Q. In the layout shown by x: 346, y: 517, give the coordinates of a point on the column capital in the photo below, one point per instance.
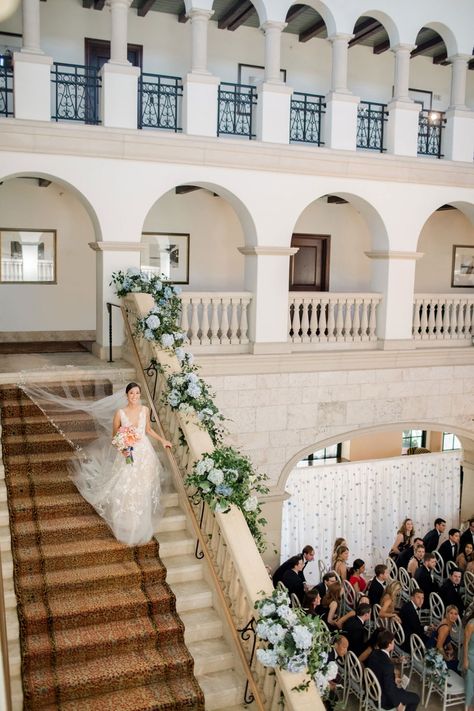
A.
x: 339, y: 36
x: 273, y: 25
x: 198, y: 13
x: 390, y: 254
x: 403, y: 47
x: 459, y: 58
x: 117, y: 246
x: 268, y: 251
x: 119, y: 3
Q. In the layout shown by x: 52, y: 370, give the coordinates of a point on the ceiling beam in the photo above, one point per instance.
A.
x: 445, y: 207
x: 366, y: 29
x: 87, y: 3
x: 336, y: 200
x: 312, y: 31
x: 144, y: 7
x: 185, y: 189
x: 471, y: 64
x: 294, y: 11
x: 99, y: 4
x: 429, y: 44
x: 236, y: 16
x: 44, y: 183
x: 182, y: 17
x: 441, y: 58
x: 382, y: 47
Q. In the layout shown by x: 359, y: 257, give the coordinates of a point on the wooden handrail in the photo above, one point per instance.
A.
x: 192, y: 517
x: 4, y: 638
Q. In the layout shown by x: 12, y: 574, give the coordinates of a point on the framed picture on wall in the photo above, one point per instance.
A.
x: 167, y: 254
x: 422, y: 97
x: 252, y: 74
x: 463, y: 266
x: 27, y: 256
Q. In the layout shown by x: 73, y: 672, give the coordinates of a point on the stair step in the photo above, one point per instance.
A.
x: 45, y: 483
x: 193, y: 595
x: 174, y: 520
x: 39, y: 424
x: 175, y: 543
x: 201, y: 624
x: 211, y: 655
x: 222, y: 690
x: 56, y: 506
x: 44, y: 443
x: 183, y: 568
x: 96, y: 388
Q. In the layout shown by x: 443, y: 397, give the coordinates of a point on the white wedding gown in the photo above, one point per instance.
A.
x: 127, y: 496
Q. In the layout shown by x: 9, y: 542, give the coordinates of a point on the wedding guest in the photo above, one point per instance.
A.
x: 466, y: 557
x: 332, y: 604
x: 292, y: 580
x: 356, y: 576
x: 431, y: 539
x: 410, y: 619
x: 403, y: 540
x: 424, y: 576
x: 307, y: 554
x: 468, y: 657
x: 338, y: 542
x: 449, y: 591
x: 382, y: 666
x: 416, y: 561
x: 342, y: 556
x: 355, y: 629
x: 377, y: 585
x: 390, y: 601
x: 328, y: 579
x: 444, y: 643
x: 467, y: 535
x: 449, y: 550
x: 405, y: 557
x: 312, y: 602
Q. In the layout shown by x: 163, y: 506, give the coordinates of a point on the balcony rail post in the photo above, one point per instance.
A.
x: 443, y: 319
x: 236, y: 104
x: 216, y: 319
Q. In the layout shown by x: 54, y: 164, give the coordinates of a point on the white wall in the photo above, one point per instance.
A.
x: 69, y: 304
x: 441, y: 231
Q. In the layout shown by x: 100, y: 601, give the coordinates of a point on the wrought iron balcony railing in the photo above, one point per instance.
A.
x: 430, y: 129
x: 305, y: 117
x: 371, y: 119
x: 76, y: 93
x: 235, y: 109
x: 6, y: 85
x: 159, y: 101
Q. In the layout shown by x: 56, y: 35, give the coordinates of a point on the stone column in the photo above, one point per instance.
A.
x: 341, y: 105
x: 402, y: 129
x: 32, y: 69
x: 458, y: 139
x: 200, y: 87
x: 111, y: 257
x: 273, y: 96
x: 119, y: 78
x: 395, y: 312
x: 266, y: 276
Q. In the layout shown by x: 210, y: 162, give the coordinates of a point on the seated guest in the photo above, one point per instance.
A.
x: 381, y: 665
x: 332, y: 608
x: 322, y: 588
x: 403, y: 540
x: 424, y: 576
x: 312, y: 602
x: 466, y: 557
x: 377, y: 584
x: 356, y: 631
x: 449, y: 591
x: 416, y: 561
x: 338, y: 542
x: 467, y: 536
x: 340, y: 565
x: 405, y: 557
x: 337, y: 653
x: 307, y: 555
x: 444, y: 643
x: 390, y: 601
x: 410, y: 619
x: 356, y: 576
x: 292, y: 580
x: 431, y: 540
x: 449, y: 550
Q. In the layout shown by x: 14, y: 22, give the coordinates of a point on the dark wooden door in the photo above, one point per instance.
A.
x: 97, y: 53
x: 309, y: 267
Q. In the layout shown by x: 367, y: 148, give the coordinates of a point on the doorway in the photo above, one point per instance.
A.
x: 309, y: 267
x: 97, y: 53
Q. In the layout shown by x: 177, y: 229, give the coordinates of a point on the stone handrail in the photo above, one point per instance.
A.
x: 216, y: 319
x: 330, y: 317
x: 230, y: 545
x: 443, y: 317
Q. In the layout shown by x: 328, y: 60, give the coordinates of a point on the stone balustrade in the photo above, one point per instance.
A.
x: 443, y: 319
x: 213, y: 320
x: 335, y: 318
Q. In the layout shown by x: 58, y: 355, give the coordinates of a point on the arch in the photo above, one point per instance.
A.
x: 259, y: 5
x: 446, y: 34
x: 323, y: 10
x: 467, y: 208
x: 388, y: 23
x: 68, y: 186
x: 466, y: 437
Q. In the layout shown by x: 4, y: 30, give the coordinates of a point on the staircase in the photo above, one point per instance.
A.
x: 99, y: 623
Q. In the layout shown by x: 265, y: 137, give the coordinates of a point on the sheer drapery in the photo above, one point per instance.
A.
x: 366, y: 502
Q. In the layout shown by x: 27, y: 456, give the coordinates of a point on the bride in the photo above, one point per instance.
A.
x: 126, y: 492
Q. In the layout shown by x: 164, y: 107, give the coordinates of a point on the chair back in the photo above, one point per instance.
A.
x: 397, y: 630
x: 350, y: 596
x: 469, y: 584
x: 413, y: 585
x: 354, y: 669
x: 417, y: 650
x: 439, y: 568
x: 450, y: 566
x: 436, y: 609
x: 281, y: 586
x: 404, y: 579
x: 373, y: 691
x: 295, y: 601
x: 322, y: 567
x: 376, y: 615
x: 392, y: 568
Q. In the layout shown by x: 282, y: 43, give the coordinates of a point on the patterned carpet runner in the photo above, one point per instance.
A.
x: 98, y: 623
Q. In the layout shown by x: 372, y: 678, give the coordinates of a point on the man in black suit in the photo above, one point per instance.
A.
x: 425, y: 578
x: 431, y: 539
x: 406, y: 555
x: 328, y: 579
x: 467, y: 536
x: 449, y: 550
x: 377, y: 584
x: 356, y: 631
x: 449, y: 591
x: 307, y: 555
x: 382, y: 666
x: 409, y: 615
x: 292, y: 580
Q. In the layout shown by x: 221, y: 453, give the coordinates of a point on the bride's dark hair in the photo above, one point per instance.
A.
x: 130, y: 386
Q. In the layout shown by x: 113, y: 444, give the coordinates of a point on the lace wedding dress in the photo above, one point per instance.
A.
x: 127, y: 496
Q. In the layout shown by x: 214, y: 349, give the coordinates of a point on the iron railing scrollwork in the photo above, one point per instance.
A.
x: 235, y: 109
x: 430, y: 128
x: 371, y: 119
x: 305, y: 117
x: 246, y: 633
x: 6, y: 85
x: 76, y: 92
x: 159, y: 99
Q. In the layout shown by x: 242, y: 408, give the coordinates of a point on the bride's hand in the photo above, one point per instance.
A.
x: 166, y: 444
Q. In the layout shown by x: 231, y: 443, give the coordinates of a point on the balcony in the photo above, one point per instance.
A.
x: 6, y: 86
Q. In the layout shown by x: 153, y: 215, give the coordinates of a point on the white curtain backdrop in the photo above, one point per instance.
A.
x: 365, y: 502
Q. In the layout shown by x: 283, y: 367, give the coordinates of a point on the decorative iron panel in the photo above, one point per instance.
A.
x: 305, y: 117
x: 430, y: 128
x: 6, y: 86
x: 76, y: 93
x: 159, y: 99
x: 371, y: 119
x: 235, y: 115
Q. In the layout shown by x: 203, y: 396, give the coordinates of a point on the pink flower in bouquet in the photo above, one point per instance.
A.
x: 124, y: 440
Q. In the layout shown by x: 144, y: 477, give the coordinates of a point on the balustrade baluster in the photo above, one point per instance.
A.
x: 340, y: 319
x: 424, y: 318
x: 291, y: 307
x: 431, y: 319
x: 356, y: 322
x: 447, y: 319
x: 461, y: 318
x: 184, y: 323
x: 312, y: 320
x: 331, y: 324
x: 468, y: 322
x: 416, y: 321
x: 454, y: 319
x: 234, y: 321
x: 243, y: 322
x: 323, y: 325
x: 305, y: 321
x: 214, y: 323
x: 194, y: 328
x: 348, y: 334
x: 439, y: 319
x: 225, y: 321
x: 205, y: 321
x: 373, y: 320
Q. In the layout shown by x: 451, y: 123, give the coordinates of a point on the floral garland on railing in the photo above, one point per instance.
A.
x: 224, y: 477
x: 436, y: 668
x: 294, y: 641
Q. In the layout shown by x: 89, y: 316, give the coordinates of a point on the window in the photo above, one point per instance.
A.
x: 413, y: 438
x: 328, y: 455
x: 450, y: 441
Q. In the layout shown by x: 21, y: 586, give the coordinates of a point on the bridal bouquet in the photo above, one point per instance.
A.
x: 124, y: 440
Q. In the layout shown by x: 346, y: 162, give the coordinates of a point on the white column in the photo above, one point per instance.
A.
x: 111, y: 257
x: 272, y: 32
x: 458, y: 135
x: 403, y: 113
x: 32, y: 69
x: 395, y: 312
x: 341, y: 105
x: 266, y: 276
x: 273, y: 95
x: 119, y: 78
x: 200, y: 87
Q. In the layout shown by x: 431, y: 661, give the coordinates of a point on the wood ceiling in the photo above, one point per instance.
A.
x: 301, y: 20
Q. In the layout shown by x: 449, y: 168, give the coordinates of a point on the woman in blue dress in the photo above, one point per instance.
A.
x: 468, y: 661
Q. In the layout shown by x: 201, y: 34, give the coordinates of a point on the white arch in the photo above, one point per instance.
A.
x: 467, y: 208
x: 389, y: 24
x: 325, y: 12
x: 447, y: 35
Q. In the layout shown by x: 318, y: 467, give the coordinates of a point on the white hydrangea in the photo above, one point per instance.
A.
x: 287, y: 614
x: 267, y: 657
x: 167, y: 340
x: 216, y: 476
x: 262, y: 629
x: 180, y: 353
x: 251, y: 503
x: 302, y: 636
x: 153, y: 321
x: 276, y: 633
x: 297, y: 663
x: 267, y: 609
